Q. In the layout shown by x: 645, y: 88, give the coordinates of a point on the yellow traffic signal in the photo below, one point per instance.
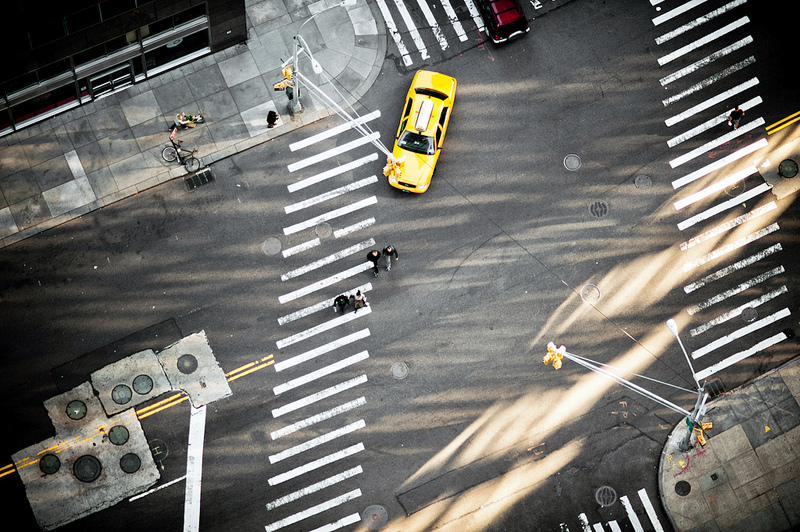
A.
x: 287, y: 72
x: 282, y: 85
x: 394, y: 167
x: 554, y: 355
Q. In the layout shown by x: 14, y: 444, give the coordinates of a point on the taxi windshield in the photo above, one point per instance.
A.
x: 417, y: 143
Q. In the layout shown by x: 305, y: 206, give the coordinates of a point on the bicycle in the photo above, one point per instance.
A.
x: 174, y: 151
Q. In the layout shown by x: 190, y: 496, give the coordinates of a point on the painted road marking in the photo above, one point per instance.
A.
x: 724, y: 206
x: 716, y: 142
x: 453, y: 18
x: 319, y: 396
x: 314, y: 510
x: 333, y: 172
x: 324, y: 261
x: 709, y: 81
x: 698, y: 21
x: 727, y: 226
x: 333, y: 152
x: 432, y: 24
x: 324, y: 283
x: 703, y: 41
x: 332, y: 194
x: 651, y: 512
x: 314, y: 242
x: 735, y: 156
x: 321, y: 350
x: 634, y: 519
x: 341, y: 523
x: 735, y: 335
x: 316, y: 464
x: 344, y: 231
x: 392, y: 27
x: 705, y: 126
x: 733, y: 246
x: 680, y: 10
x: 757, y: 302
x: 784, y: 122
x: 328, y: 325
x: 316, y: 442
x: 330, y: 481
x: 718, y: 186
x: 719, y: 98
x: 319, y: 373
x: 705, y: 61
x: 332, y: 132
x: 322, y: 305
x: 741, y: 355
x: 475, y: 14
x: 719, y: 274
x: 316, y: 418
x: 758, y: 279
x: 330, y: 215
x: 194, y: 469
x: 412, y: 29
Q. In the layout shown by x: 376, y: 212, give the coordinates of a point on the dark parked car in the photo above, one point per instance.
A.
x: 504, y: 19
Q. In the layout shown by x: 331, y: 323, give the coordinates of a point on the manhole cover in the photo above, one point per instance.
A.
x: 271, y: 246
x: 787, y: 169
x: 118, y: 435
x: 49, y: 464
x: 187, y: 364
x: 683, y: 488
x: 642, y: 181
x: 598, y: 209
x: 130, y: 463
x: 158, y: 449
x: 87, y: 468
x: 605, y: 496
x: 736, y: 189
x: 76, y: 409
x: 121, y: 394
x: 572, y: 162
x: 375, y: 517
x: 590, y: 293
x: 143, y: 384
x: 749, y: 314
x: 324, y: 230
x: 399, y: 370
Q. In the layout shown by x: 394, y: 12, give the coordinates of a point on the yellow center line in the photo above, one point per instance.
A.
x: 789, y: 120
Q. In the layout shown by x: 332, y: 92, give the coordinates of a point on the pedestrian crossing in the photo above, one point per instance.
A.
x: 631, y: 518
x: 737, y: 302
x: 315, y: 443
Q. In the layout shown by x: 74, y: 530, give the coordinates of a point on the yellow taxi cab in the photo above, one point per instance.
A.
x: 423, y: 124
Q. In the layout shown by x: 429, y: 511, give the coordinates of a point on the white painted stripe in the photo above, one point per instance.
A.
x: 741, y: 355
x: 316, y: 418
x: 432, y: 24
x: 319, y: 373
x: 321, y: 350
x: 735, y: 156
x: 392, y: 27
x: 709, y: 81
x: 651, y: 512
x: 75, y: 165
x: 316, y: 200
x: 328, y: 325
x: 453, y: 18
x: 705, y: 126
x: 724, y: 206
x: 341, y: 523
x: 313, y: 488
x: 733, y: 246
x: 698, y: 21
x: 703, y: 41
x: 322, y: 305
x: 314, y: 242
x: 757, y: 302
x: 758, y: 279
x: 614, y: 526
x: 319, y: 396
x: 727, y: 226
x: 702, y: 106
x: 316, y: 442
x: 332, y: 132
x: 718, y: 186
x: 655, y: 2
x: 330, y: 215
x: 344, y: 231
x: 314, y: 510
x: 719, y: 274
x: 584, y: 521
x: 333, y: 172
x: 333, y: 152
x: 680, y: 10
x: 716, y: 142
x: 412, y: 29
x: 634, y: 519
x: 311, y: 266
x: 697, y: 65
x: 475, y: 14
x: 324, y: 283
x: 316, y: 464
x: 598, y: 527
x: 194, y: 469
x: 735, y: 335
x: 150, y: 492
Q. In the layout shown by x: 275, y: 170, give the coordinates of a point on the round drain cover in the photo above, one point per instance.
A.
x: 736, y: 189
x: 49, y: 464
x: 749, y: 314
x: 87, y: 468
x: 642, y: 181
x: 76, y: 409
x: 683, y: 488
x: 271, y: 246
x: 399, y: 370
x: 572, y: 162
x: 590, y: 293
x: 605, y: 496
x: 121, y: 394
x: 324, y: 230
x: 118, y: 435
x: 143, y: 384
x: 787, y: 169
x: 598, y: 209
x: 375, y: 517
x: 187, y: 364
x: 130, y: 463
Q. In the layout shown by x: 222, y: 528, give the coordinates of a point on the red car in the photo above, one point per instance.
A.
x: 504, y: 19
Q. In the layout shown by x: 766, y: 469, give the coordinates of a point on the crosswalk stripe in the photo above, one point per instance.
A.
x: 678, y: 161
x: 322, y: 305
x: 314, y: 510
x: 392, y: 27
x: 316, y: 464
x: 328, y: 325
x: 331, y: 194
x: 651, y: 512
x: 703, y: 41
x: 333, y: 172
x: 316, y: 418
x: 705, y: 126
x: 698, y: 21
x: 319, y: 373
x: 722, y: 272
x: 728, y: 225
x: 294, y: 250
x: 330, y: 215
x: 718, y: 186
x: 702, y: 106
x: 332, y: 132
x: 412, y: 29
x: 709, y: 81
x: 324, y: 283
x: 727, y: 316
x: 680, y: 10
x: 724, y: 206
x: 598, y: 527
x: 432, y: 24
x: 632, y: 517
x: 338, y: 150
x: 319, y: 396
x: 716, y: 165
x: 707, y: 60
x: 476, y: 15
x: 311, y: 266
x: 758, y: 279
x: 341, y: 523
x: 339, y: 233
x: 316, y: 442
x: 614, y: 526
x: 321, y: 350
x: 741, y: 355
x: 739, y: 333
x: 453, y: 18
x: 733, y: 246
x: 330, y: 481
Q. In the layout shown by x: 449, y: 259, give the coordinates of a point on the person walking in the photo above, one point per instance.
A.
x: 341, y: 303
x: 272, y: 118
x: 388, y: 252
x: 734, y: 117
x: 374, y: 256
x: 359, y: 301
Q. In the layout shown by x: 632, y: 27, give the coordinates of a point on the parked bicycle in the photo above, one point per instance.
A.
x: 174, y: 151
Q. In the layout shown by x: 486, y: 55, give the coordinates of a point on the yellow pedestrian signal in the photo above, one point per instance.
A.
x: 554, y: 355
x: 394, y: 167
x: 287, y: 72
x: 282, y: 85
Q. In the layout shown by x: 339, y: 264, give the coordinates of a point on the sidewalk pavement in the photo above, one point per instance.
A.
x: 110, y: 149
x: 747, y: 476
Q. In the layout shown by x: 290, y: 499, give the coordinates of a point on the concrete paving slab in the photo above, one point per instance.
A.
x: 102, y: 182
x: 273, y: 51
x: 80, y: 132
x: 255, y: 119
x: 250, y: 93
x: 130, y: 382
x: 205, y: 82
x: 190, y: 366
x: 173, y: 95
x: 118, y: 146
x: 238, y: 69
x: 107, y: 121
x: 218, y: 106
x: 69, y: 196
x: 12, y: 160
x: 7, y: 224
x: 19, y: 186
x: 42, y: 147
x: 30, y: 212
x: 140, y: 108
x: 52, y: 173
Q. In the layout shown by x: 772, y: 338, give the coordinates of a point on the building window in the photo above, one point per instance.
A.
x: 161, y: 58
x: 45, y: 103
